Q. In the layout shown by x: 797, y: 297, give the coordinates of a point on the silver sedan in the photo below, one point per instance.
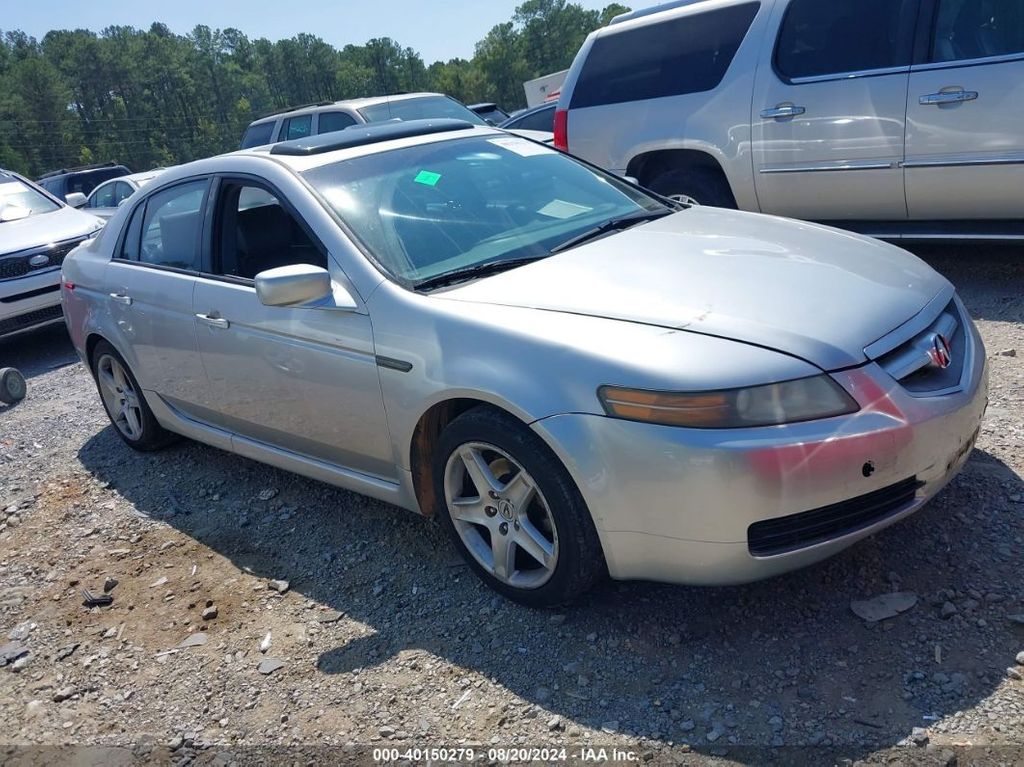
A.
x: 577, y: 378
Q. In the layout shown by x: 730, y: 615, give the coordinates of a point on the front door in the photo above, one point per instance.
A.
x: 965, y: 114
x: 828, y: 117
x: 301, y: 379
x: 152, y: 278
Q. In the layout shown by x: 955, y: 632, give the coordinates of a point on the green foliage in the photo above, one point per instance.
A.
x: 152, y: 97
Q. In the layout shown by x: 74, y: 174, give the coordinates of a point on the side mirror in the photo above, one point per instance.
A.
x: 632, y: 180
x: 76, y: 199
x: 300, y: 285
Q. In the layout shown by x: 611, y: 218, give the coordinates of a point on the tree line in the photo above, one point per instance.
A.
x: 151, y: 97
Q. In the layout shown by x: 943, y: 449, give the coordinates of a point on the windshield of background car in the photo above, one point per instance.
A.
x: 431, y: 209
x: 425, y: 108
x: 17, y: 197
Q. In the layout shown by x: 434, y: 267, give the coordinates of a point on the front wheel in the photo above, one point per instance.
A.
x: 514, y: 512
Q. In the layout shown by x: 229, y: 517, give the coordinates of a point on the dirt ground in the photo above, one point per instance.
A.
x: 382, y: 638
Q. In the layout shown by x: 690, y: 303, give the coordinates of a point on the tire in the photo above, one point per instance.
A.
x: 118, y: 388
x: 550, y: 523
x: 12, y: 386
x: 701, y: 185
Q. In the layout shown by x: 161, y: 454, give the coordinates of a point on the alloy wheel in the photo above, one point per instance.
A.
x: 120, y: 397
x: 501, y: 515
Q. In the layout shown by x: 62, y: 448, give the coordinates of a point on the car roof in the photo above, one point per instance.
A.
x: 299, y: 163
x: 354, y: 104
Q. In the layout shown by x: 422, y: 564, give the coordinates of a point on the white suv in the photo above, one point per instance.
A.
x: 331, y: 116
x: 899, y: 118
x: 37, y: 231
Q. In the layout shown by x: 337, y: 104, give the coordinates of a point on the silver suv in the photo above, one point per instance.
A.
x: 36, y: 232
x: 898, y: 118
x: 332, y: 116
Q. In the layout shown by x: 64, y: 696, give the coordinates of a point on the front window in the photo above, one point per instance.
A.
x: 422, y: 108
x: 18, y: 200
x: 440, y: 208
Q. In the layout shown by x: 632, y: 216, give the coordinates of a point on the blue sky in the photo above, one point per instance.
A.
x: 438, y: 29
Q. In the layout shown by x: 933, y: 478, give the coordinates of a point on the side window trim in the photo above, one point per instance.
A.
x: 214, y: 219
x: 140, y: 209
x: 853, y: 74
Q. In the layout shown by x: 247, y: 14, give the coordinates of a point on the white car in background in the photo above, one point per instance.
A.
x: 107, y: 197
x: 37, y: 231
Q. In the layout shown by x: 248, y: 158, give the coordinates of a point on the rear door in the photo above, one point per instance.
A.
x: 151, y: 280
x: 965, y: 114
x: 829, y: 109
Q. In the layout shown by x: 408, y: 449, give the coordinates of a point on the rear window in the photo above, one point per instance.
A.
x: 684, y: 55
x: 258, y: 135
x: 425, y: 108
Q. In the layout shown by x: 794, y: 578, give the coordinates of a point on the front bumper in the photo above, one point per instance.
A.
x: 30, y: 301
x: 677, y: 505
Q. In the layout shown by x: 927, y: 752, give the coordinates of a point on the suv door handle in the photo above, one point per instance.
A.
x: 217, y: 322
x: 782, y: 111
x: 948, y: 97
x: 121, y: 298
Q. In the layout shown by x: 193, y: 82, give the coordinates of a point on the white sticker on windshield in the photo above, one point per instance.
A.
x: 11, y: 187
x: 563, y: 210
x: 522, y: 147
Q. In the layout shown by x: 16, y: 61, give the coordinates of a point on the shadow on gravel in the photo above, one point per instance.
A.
x: 725, y: 670
x: 38, y: 352
x: 990, y: 278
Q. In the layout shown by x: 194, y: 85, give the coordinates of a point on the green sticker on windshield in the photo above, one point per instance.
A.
x: 428, y: 178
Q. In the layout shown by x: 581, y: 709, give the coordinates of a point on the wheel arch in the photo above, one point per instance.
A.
x: 647, y: 165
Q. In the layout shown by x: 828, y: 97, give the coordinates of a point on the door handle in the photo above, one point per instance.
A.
x: 216, y: 322
x: 948, y: 97
x: 783, y: 111
x: 121, y: 298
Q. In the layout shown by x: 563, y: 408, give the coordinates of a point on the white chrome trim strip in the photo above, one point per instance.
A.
x: 827, y: 168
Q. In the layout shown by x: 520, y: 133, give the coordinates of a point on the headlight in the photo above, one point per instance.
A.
x: 791, y: 402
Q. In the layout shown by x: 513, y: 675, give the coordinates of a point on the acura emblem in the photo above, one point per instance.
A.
x: 941, y: 353
x: 40, y: 260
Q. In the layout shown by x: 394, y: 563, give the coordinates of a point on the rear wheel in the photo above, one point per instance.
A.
x: 514, y: 512
x: 700, y: 186
x: 12, y: 386
x: 123, y: 400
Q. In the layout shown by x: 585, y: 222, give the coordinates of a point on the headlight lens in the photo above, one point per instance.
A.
x: 791, y: 402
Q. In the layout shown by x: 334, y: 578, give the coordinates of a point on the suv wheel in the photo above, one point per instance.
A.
x: 123, y: 400
x: 701, y: 186
x: 514, y: 512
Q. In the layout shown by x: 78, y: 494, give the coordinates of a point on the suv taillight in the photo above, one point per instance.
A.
x: 562, y: 130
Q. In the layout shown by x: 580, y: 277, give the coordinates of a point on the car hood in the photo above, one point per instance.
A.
x: 46, y: 228
x: 813, y: 292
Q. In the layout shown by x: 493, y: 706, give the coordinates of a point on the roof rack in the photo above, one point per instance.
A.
x: 365, y: 135
x: 639, y: 14
x: 79, y: 169
x: 288, y: 110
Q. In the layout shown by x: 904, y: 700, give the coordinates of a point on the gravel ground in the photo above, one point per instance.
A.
x: 382, y: 637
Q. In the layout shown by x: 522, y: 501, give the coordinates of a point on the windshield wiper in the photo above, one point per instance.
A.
x: 610, y: 226
x: 474, y: 272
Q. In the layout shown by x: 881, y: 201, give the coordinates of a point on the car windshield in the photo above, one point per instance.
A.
x: 422, y: 108
x: 18, y: 200
x: 444, y: 207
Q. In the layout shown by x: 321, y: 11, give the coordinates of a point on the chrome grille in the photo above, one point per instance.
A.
x: 933, y: 360
x: 20, y: 264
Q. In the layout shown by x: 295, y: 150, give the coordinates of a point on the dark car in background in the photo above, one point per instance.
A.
x: 82, y: 180
x: 492, y: 113
x: 540, y: 118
